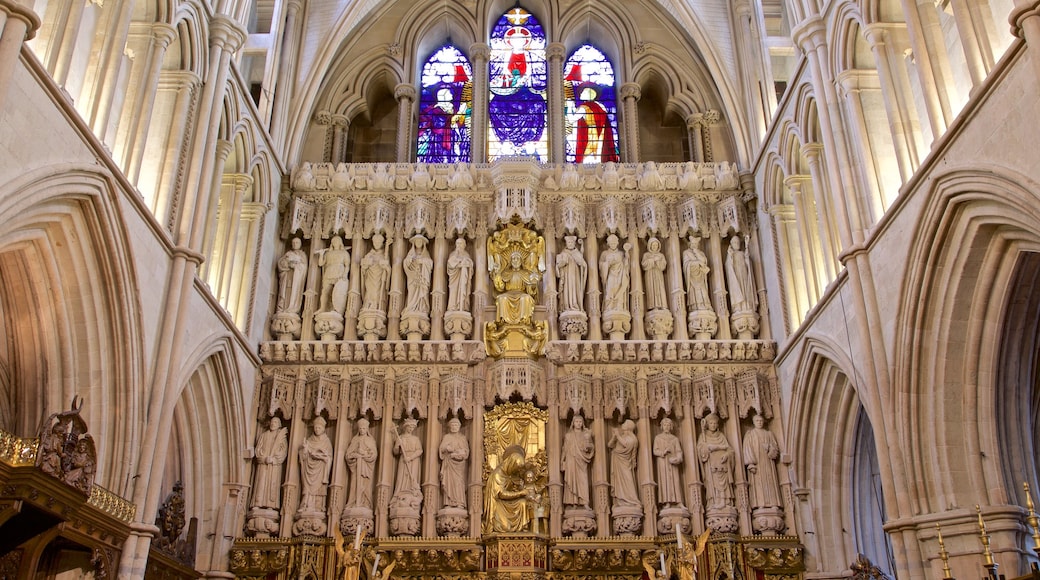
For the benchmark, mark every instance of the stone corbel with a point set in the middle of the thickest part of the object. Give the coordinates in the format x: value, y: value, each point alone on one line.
x: 731, y: 216
x: 458, y: 218
x: 420, y: 217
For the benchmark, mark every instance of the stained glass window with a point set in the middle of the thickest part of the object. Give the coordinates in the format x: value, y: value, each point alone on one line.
x: 517, y: 111
x: 445, y: 106
x: 591, y: 107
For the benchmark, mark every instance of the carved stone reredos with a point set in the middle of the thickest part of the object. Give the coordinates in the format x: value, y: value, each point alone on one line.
x: 516, y: 181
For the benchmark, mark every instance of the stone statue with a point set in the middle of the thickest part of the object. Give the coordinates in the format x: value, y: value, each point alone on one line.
x: 375, y: 275
x: 715, y: 452
x: 418, y: 268
x: 614, y: 274
x: 575, y: 458
x: 695, y: 269
x: 335, y: 267
x: 611, y: 177
x: 650, y: 178
x: 570, y: 178
x: 624, y: 446
x: 304, y: 178
x: 654, y: 264
x: 740, y: 278
x: 761, y: 452
x: 421, y: 179
x: 382, y: 179
x: 272, y: 447
x: 342, y: 179
x: 460, y: 276
x: 361, y: 459
x: 315, y: 465
x: 668, y: 451
x: 505, y: 494
x: 409, y: 447
x: 454, y: 451
x: 726, y: 176
x: 572, y: 272
x: 292, y: 275
x: 461, y: 177
x: 689, y: 180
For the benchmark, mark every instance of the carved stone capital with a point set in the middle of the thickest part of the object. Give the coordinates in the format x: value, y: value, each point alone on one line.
x: 631, y: 91
x: 405, y: 91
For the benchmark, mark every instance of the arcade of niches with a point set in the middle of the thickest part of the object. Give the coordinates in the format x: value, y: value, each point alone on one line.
x: 519, y: 369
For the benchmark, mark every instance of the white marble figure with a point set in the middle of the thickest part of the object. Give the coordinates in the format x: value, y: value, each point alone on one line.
x: 668, y: 451
x: 717, y: 455
x: 654, y: 264
x: 292, y: 275
x: 726, y: 177
x: 461, y: 177
x: 418, y: 269
x: 576, y: 455
x: 315, y: 466
x: 695, y: 269
x: 570, y: 180
x: 272, y: 447
x: 335, y: 267
x: 460, y: 277
x: 614, y: 272
x: 408, y: 446
x: 454, y: 453
x: 361, y: 459
x: 421, y: 179
x: 375, y: 275
x: 624, y: 446
x: 650, y: 178
x: 304, y: 178
x: 689, y: 180
x: 740, y: 279
x: 761, y: 452
x: 343, y: 178
x: 572, y: 272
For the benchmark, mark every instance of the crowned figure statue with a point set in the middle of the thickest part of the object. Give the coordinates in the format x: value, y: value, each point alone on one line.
x: 516, y: 261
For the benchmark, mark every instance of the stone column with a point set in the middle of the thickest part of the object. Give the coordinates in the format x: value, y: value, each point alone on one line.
x: 357, y: 253
x: 277, y: 113
x: 676, y: 285
x: 718, y: 285
x: 599, y: 477
x: 1025, y: 20
x: 630, y: 93
x: 223, y: 150
x: 184, y: 88
x: 694, y: 122
x: 431, y: 457
x: 645, y: 468
x: 637, y: 303
x: 481, y: 289
x: 476, y: 465
x: 405, y: 95
x: 63, y: 37
x: 809, y: 257
x: 133, y: 141
x: 553, y: 441
x: 593, y: 292
x: 439, y: 291
x: 385, y: 472
x: 556, y: 52
x: 975, y: 55
x: 344, y: 432
x: 691, y: 463
x: 397, y: 286
x: 340, y: 128
x: 550, y: 284
x: 710, y: 119
x: 865, y: 170
x: 481, y: 54
x: 829, y: 239
x: 902, y: 140
x: 104, y: 91
x: 797, y: 304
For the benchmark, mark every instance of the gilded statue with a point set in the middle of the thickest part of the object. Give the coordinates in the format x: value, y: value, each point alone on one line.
x: 514, y: 494
x: 516, y: 261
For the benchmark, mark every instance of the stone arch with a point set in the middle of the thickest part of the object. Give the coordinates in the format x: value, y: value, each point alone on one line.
x: 976, y: 235
x: 425, y: 35
x: 825, y: 433
x: 72, y: 324
x: 207, y: 433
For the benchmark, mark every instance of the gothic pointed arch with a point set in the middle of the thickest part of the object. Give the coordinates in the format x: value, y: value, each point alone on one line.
x: 445, y: 108
x: 590, y: 107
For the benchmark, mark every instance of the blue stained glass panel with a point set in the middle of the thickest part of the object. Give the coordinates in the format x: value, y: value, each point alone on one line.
x: 590, y: 107
x: 445, y: 108
x: 518, y: 110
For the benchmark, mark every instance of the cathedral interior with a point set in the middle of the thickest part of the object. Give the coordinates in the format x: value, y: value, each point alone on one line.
x: 519, y: 289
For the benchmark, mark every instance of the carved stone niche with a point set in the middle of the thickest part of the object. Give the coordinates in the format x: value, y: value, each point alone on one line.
x: 516, y: 180
x: 510, y: 378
